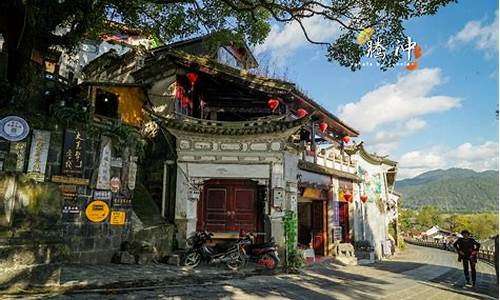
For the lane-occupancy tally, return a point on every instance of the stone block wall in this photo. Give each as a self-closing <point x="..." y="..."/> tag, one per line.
<point x="94" y="243"/>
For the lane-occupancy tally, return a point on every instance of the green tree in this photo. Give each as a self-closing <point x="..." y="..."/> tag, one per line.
<point x="428" y="216"/>
<point x="28" y="25"/>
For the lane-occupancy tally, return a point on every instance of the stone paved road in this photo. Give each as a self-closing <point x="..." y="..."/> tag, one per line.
<point x="417" y="273"/>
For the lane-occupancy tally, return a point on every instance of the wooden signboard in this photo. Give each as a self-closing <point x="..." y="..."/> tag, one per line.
<point x="73" y="152"/>
<point x="70" y="180"/>
<point x="38" y="153"/>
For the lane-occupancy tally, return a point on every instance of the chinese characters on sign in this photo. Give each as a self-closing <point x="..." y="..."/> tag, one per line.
<point x="375" y="49"/>
<point x="104" y="174"/>
<point x="13" y="128"/>
<point x="19" y="149"/>
<point x="73" y="153"/>
<point x="38" y="153"/>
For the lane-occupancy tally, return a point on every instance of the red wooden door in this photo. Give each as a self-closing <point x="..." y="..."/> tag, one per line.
<point x="229" y="206"/>
<point x="344" y="220"/>
<point x="317" y="227"/>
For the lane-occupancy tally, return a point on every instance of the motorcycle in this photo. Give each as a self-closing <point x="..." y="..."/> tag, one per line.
<point x="233" y="256"/>
<point x="265" y="254"/>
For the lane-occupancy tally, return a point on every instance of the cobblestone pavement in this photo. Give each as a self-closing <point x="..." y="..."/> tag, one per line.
<point x="417" y="273"/>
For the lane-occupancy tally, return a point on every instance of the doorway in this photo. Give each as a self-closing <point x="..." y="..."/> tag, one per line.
<point x="228" y="206"/>
<point x="312" y="231"/>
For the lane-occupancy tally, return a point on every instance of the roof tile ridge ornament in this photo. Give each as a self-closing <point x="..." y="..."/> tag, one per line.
<point x="255" y="127"/>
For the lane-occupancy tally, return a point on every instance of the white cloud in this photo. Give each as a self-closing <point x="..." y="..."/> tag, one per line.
<point x="484" y="37"/>
<point x="402" y="101"/>
<point x="283" y="41"/>
<point x="476" y="157"/>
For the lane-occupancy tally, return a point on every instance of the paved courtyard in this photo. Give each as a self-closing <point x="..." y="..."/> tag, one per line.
<point x="417" y="273"/>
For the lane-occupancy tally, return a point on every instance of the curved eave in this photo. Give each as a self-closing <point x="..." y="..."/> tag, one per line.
<point x="207" y="127"/>
<point x="373" y="159"/>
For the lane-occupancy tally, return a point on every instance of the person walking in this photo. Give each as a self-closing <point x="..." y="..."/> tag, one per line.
<point x="467" y="249"/>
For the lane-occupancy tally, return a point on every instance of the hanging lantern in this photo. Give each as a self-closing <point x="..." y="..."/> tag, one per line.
<point x="273" y="104"/>
<point x="323" y="126"/>
<point x="363" y="198"/>
<point x="346" y="139"/>
<point x="301" y="113"/>
<point x="192" y="77"/>
<point x="348" y="196"/>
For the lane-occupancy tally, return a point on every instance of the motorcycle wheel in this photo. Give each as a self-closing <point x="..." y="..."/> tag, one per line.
<point x="271" y="261"/>
<point x="236" y="262"/>
<point x="191" y="259"/>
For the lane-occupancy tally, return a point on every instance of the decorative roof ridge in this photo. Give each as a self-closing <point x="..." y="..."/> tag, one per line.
<point x="370" y="157"/>
<point x="259" y="126"/>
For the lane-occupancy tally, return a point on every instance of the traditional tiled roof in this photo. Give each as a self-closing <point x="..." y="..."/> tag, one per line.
<point x="315" y="168"/>
<point x="208" y="127"/>
<point x="241" y="77"/>
<point x="372" y="158"/>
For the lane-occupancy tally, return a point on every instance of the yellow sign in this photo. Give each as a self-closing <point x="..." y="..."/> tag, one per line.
<point x="97" y="211"/>
<point x="117" y="218"/>
<point x="365" y="35"/>
<point x="312" y="193"/>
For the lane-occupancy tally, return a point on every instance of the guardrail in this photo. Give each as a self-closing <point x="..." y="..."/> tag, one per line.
<point x="484" y="254"/>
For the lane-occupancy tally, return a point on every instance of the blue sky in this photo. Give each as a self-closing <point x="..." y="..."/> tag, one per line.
<point x="442" y="115"/>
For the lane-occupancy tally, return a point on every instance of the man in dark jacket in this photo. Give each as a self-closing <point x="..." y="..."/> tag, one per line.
<point x="467" y="249"/>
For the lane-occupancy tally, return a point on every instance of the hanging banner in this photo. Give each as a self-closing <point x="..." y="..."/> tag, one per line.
<point x="19" y="149"/>
<point x="104" y="173"/>
<point x="132" y="172"/>
<point x="38" y="153"/>
<point x="73" y="152"/>
<point x="336" y="219"/>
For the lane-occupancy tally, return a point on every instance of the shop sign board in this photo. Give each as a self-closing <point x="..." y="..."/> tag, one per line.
<point x="73" y="152"/>
<point x="104" y="173"/>
<point x="97" y="211"/>
<point x="19" y="150"/>
<point x="132" y="172"/>
<point x="39" y="152"/>
<point x="70" y="180"/>
<point x="117" y="218"/>
<point x="14" y="128"/>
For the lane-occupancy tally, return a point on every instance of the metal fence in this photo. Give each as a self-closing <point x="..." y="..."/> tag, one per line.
<point x="486" y="255"/>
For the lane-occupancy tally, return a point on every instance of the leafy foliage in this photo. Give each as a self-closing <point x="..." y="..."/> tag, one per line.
<point x="453" y="190"/>
<point x="481" y="225"/>
<point x="294" y="259"/>
<point x="44" y="24"/>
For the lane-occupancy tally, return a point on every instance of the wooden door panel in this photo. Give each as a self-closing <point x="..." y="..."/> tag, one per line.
<point x="244" y="208"/>
<point x="216" y="209"/>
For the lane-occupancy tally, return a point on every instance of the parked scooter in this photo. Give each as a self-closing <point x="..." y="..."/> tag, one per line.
<point x="265" y="254"/>
<point x="233" y="256"/>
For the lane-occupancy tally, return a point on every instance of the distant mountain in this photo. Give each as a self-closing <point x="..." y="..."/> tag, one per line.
<point x="452" y="190"/>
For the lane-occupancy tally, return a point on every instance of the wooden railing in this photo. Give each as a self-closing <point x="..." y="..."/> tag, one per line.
<point x="487" y="255"/>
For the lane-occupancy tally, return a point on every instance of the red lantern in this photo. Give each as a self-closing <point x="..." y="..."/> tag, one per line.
<point x="273" y="104"/>
<point x="346" y="139"/>
<point x="301" y="113"/>
<point x="348" y="197"/>
<point x="192" y="77"/>
<point x="323" y="126"/>
<point x="363" y="198"/>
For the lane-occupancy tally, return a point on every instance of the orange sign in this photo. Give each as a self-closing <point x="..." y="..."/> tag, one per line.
<point x="117" y="218"/>
<point x="97" y="211"/>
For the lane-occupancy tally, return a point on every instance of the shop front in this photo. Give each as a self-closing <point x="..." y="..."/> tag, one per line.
<point x="312" y="211"/>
